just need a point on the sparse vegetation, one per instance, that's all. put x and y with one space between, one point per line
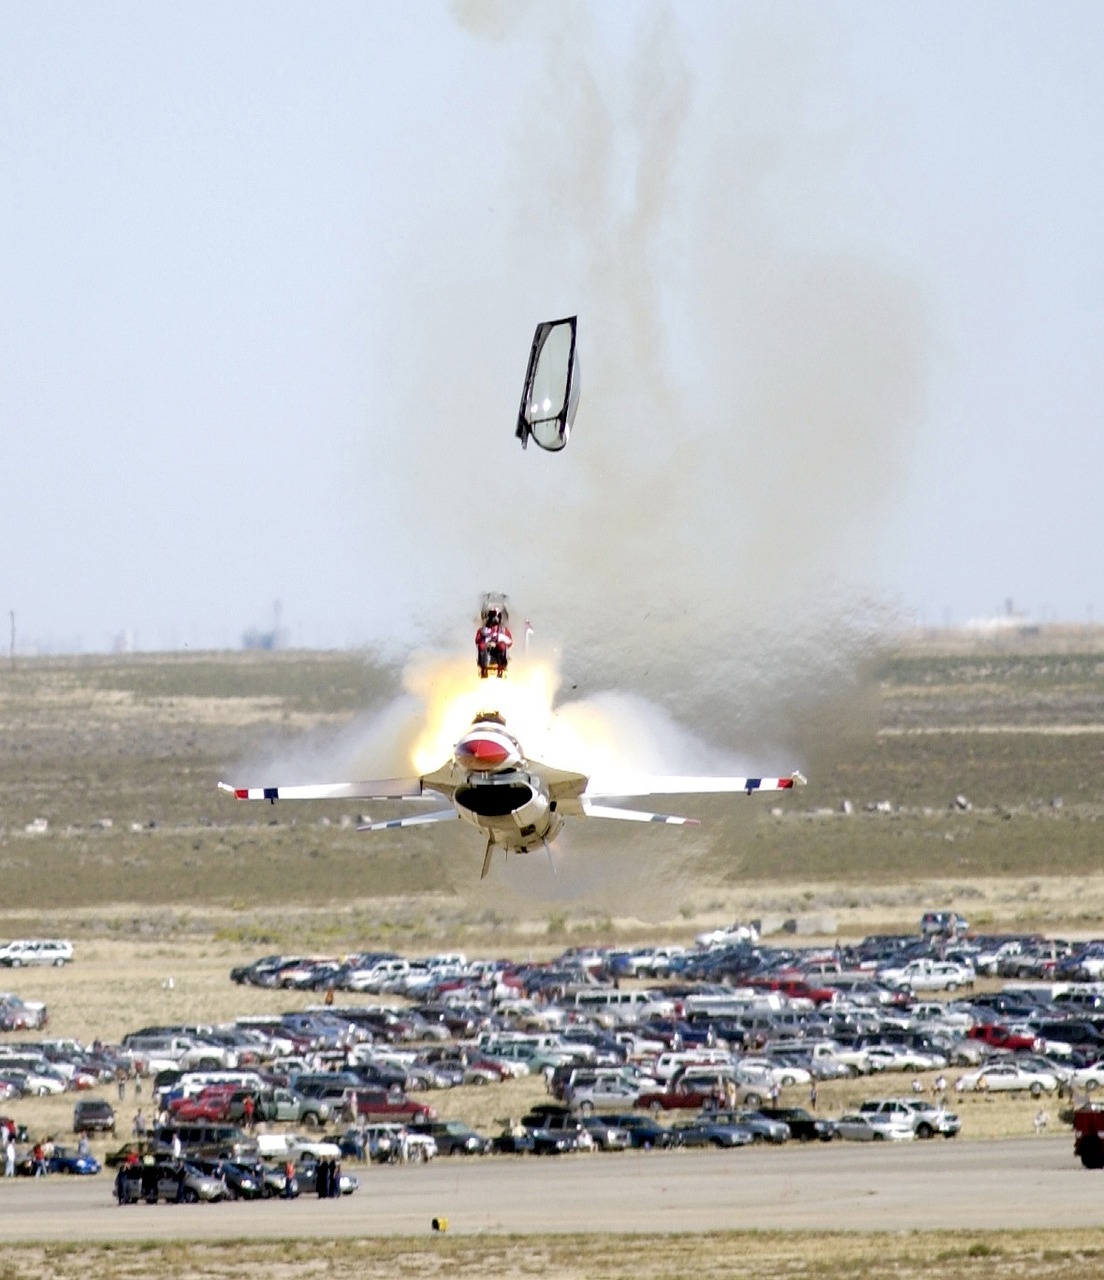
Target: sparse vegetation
1044 1255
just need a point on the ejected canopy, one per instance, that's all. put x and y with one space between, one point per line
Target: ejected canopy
551 393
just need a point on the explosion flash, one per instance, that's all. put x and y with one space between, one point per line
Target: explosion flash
605 734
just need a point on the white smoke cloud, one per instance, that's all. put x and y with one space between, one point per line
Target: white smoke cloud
749 394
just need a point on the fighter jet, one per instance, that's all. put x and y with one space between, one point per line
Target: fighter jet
519 804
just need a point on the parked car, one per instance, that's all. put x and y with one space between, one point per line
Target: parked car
711 1131
858 1127
943 924
763 1128
93 1115
802 1125
555 1134
384 1104
643 1131
1008 1077
454 1137
70 1160
166 1180
514 1140
929 1120
601 1092
927 975
698 1089
1088 1078
998 1036
242 1182
606 1136
25 951
925 1118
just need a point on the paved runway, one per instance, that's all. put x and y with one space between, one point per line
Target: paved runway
837 1186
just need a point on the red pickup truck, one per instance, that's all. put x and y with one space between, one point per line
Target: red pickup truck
795 987
1000 1037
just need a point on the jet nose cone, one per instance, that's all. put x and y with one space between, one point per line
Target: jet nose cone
483 751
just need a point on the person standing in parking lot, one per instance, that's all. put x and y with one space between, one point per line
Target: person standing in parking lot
9 1156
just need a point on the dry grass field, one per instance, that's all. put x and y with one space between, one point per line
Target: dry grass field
155 875
795 1255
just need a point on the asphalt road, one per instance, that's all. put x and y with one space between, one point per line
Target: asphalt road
838 1186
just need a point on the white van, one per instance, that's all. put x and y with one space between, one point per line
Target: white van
668 1065
36 951
608 1005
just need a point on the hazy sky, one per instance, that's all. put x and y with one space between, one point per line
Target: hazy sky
270 274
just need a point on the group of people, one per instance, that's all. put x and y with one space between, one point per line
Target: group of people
327 1179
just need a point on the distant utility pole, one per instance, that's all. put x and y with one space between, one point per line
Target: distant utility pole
11 651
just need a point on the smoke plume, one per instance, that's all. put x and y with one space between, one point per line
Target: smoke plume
749 388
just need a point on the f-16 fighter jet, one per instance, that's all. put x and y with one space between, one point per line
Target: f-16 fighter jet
519 804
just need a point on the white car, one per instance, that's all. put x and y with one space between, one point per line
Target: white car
927 975
36 1083
783 1074
1088 1078
26 951
925 1117
874 1128
951 1016
728 935
899 1057
1008 1077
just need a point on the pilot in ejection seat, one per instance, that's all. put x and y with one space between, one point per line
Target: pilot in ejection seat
492 644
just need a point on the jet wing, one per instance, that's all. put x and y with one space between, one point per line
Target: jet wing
615 786
590 805
592 810
413 820
387 789
551 393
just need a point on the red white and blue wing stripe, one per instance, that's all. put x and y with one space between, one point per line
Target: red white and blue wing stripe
614 786
387 789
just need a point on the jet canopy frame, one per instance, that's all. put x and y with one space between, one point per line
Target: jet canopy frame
550 397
